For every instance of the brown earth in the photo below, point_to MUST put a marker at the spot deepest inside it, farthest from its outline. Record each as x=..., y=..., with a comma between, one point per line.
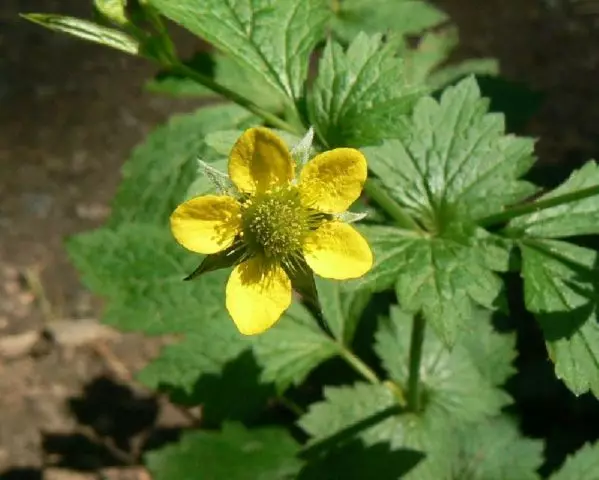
x=69, y=114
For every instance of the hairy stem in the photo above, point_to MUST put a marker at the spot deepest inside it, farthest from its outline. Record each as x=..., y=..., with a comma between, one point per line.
x=234, y=97
x=358, y=365
x=518, y=211
x=416, y=341
x=376, y=192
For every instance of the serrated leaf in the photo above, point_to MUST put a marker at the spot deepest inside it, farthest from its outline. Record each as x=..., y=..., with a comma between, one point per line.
x=341, y=309
x=568, y=219
x=272, y=38
x=290, y=350
x=495, y=450
x=349, y=409
x=360, y=95
x=139, y=270
x=454, y=383
x=235, y=453
x=372, y=16
x=560, y=288
x=159, y=171
x=87, y=30
x=441, y=276
x=453, y=156
x=582, y=465
x=355, y=461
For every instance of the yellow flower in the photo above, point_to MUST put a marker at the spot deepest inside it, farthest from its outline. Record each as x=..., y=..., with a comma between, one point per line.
x=276, y=224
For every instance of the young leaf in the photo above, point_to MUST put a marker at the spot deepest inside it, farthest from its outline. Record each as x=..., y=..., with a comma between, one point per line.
x=454, y=380
x=453, y=156
x=569, y=219
x=160, y=170
x=235, y=453
x=582, y=465
x=341, y=309
x=495, y=450
x=87, y=30
x=560, y=288
x=134, y=262
x=290, y=350
x=360, y=95
x=441, y=276
x=372, y=16
x=272, y=38
x=346, y=414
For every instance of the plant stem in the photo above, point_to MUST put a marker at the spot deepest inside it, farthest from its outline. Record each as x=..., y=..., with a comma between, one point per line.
x=416, y=341
x=520, y=210
x=358, y=365
x=234, y=97
x=375, y=191
x=291, y=405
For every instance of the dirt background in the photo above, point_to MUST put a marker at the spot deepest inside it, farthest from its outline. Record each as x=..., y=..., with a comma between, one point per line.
x=69, y=114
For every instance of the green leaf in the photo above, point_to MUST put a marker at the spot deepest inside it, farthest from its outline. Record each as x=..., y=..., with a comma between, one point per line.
x=341, y=309
x=274, y=39
x=454, y=381
x=290, y=350
x=568, y=219
x=373, y=16
x=560, y=288
x=427, y=62
x=360, y=95
x=355, y=461
x=159, y=171
x=235, y=453
x=582, y=465
x=453, y=157
x=86, y=30
x=495, y=450
x=139, y=270
x=346, y=414
x=441, y=276
x=114, y=10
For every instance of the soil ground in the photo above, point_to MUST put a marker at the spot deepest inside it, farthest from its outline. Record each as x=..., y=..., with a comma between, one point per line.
x=69, y=114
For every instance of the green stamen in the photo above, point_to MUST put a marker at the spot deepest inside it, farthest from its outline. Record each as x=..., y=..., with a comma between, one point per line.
x=275, y=223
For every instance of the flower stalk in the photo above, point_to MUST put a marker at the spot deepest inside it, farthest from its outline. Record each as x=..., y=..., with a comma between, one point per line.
x=416, y=343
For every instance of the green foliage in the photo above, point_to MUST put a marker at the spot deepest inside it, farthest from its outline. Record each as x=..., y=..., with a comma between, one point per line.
x=582, y=465
x=361, y=94
x=450, y=220
x=87, y=30
x=235, y=453
x=273, y=39
x=371, y=16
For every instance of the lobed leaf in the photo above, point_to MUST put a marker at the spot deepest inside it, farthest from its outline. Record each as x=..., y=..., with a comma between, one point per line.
x=360, y=94
x=235, y=453
x=568, y=219
x=453, y=158
x=272, y=38
x=582, y=465
x=560, y=288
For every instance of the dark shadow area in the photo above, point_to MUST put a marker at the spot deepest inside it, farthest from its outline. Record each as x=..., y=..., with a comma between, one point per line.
x=22, y=474
x=356, y=461
x=116, y=426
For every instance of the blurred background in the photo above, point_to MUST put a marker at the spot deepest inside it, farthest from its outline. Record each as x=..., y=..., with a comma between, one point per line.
x=70, y=113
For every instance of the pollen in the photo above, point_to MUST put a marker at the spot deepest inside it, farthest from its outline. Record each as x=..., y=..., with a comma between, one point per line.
x=274, y=223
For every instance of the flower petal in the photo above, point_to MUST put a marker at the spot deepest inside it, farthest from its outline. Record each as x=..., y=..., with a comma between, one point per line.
x=336, y=250
x=257, y=295
x=206, y=224
x=260, y=160
x=333, y=180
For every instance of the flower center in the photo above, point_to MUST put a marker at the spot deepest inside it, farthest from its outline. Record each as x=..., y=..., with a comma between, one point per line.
x=275, y=223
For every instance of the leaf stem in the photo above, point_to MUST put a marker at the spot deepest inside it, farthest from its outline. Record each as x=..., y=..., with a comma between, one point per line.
x=291, y=405
x=375, y=191
x=234, y=97
x=520, y=210
x=358, y=365
x=416, y=341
